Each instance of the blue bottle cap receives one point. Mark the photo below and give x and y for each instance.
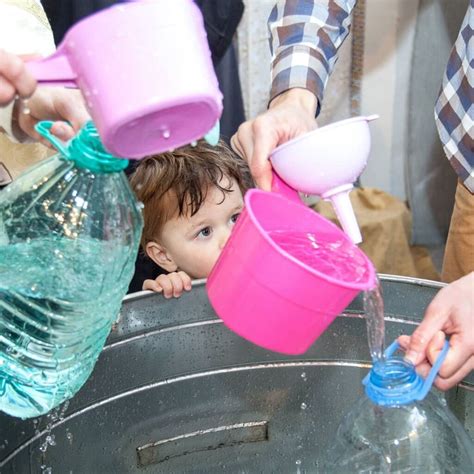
(394, 381)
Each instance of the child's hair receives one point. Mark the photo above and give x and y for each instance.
(176, 183)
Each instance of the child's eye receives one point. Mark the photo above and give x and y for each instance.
(205, 232)
(234, 218)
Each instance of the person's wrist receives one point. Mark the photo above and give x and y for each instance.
(299, 97)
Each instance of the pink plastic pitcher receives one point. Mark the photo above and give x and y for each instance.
(269, 296)
(146, 73)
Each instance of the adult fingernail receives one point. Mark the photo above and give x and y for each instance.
(411, 356)
(61, 132)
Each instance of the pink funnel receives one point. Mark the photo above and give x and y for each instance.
(326, 162)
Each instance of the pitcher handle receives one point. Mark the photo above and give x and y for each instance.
(54, 70)
(44, 129)
(280, 187)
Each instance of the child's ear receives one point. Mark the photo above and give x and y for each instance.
(160, 256)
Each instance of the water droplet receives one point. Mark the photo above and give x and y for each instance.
(298, 462)
(303, 376)
(304, 406)
(166, 133)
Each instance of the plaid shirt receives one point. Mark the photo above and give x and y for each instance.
(305, 37)
(454, 111)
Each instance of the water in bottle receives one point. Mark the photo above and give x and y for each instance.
(69, 234)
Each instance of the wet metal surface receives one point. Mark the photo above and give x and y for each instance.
(175, 391)
(202, 440)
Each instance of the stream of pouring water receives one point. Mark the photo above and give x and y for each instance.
(374, 313)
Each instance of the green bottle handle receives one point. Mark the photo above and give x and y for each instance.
(44, 129)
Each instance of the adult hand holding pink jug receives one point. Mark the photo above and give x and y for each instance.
(35, 104)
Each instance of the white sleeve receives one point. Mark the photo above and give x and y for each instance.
(24, 29)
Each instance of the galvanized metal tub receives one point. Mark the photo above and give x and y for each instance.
(175, 391)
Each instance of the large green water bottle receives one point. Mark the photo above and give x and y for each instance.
(69, 233)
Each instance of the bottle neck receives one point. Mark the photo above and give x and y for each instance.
(393, 382)
(87, 151)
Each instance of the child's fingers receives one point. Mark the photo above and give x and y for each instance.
(165, 282)
(152, 285)
(177, 284)
(186, 279)
(171, 285)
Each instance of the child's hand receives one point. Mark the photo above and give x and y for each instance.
(170, 285)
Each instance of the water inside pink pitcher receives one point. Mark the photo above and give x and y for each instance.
(338, 259)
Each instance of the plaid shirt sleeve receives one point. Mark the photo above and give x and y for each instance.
(454, 110)
(305, 37)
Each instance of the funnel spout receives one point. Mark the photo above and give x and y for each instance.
(345, 213)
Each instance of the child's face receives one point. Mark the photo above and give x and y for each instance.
(194, 243)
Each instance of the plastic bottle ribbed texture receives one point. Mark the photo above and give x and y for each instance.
(69, 233)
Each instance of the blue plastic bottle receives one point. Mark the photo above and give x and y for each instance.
(69, 233)
(400, 426)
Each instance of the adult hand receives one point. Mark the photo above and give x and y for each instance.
(450, 313)
(65, 106)
(172, 284)
(15, 79)
(290, 114)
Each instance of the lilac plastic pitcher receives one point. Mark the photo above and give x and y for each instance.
(145, 70)
(265, 294)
